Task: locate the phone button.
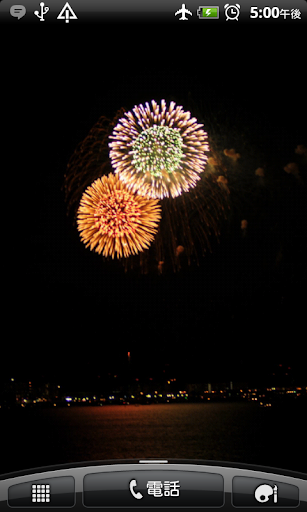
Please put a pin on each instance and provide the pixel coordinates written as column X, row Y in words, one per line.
column 153, row 488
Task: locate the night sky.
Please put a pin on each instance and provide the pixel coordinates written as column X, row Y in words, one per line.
column 70, row 314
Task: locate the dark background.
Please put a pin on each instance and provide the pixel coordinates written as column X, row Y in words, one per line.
column 70, row 316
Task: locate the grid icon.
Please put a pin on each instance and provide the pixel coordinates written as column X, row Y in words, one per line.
column 40, row 493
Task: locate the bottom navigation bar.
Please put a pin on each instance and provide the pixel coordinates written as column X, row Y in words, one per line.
column 153, row 485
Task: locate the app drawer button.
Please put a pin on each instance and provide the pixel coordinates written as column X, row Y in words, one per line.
column 49, row 492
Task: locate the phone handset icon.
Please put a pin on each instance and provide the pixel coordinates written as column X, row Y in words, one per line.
column 136, row 495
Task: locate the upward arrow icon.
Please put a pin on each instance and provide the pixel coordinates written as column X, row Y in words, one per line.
column 67, row 14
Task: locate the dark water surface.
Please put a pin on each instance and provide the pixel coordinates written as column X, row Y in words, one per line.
column 233, row 432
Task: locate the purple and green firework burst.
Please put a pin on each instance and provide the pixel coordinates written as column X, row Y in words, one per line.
column 159, row 151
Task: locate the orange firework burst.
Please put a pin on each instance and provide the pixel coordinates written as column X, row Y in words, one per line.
column 114, row 221
column 159, row 151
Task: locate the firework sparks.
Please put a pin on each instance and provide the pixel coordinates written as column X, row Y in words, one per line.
column 114, row 221
column 89, row 161
column 159, row 152
column 188, row 220
column 232, row 154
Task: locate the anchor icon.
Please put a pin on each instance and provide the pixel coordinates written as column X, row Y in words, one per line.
column 44, row 11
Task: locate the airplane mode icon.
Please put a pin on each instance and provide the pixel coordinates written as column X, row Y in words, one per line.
column 183, row 11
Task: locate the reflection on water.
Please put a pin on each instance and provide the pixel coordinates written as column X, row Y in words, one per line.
column 238, row 432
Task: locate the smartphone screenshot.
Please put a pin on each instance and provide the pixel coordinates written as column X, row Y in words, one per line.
column 154, row 157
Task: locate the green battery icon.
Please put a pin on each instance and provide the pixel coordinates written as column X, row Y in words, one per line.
column 208, row 11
